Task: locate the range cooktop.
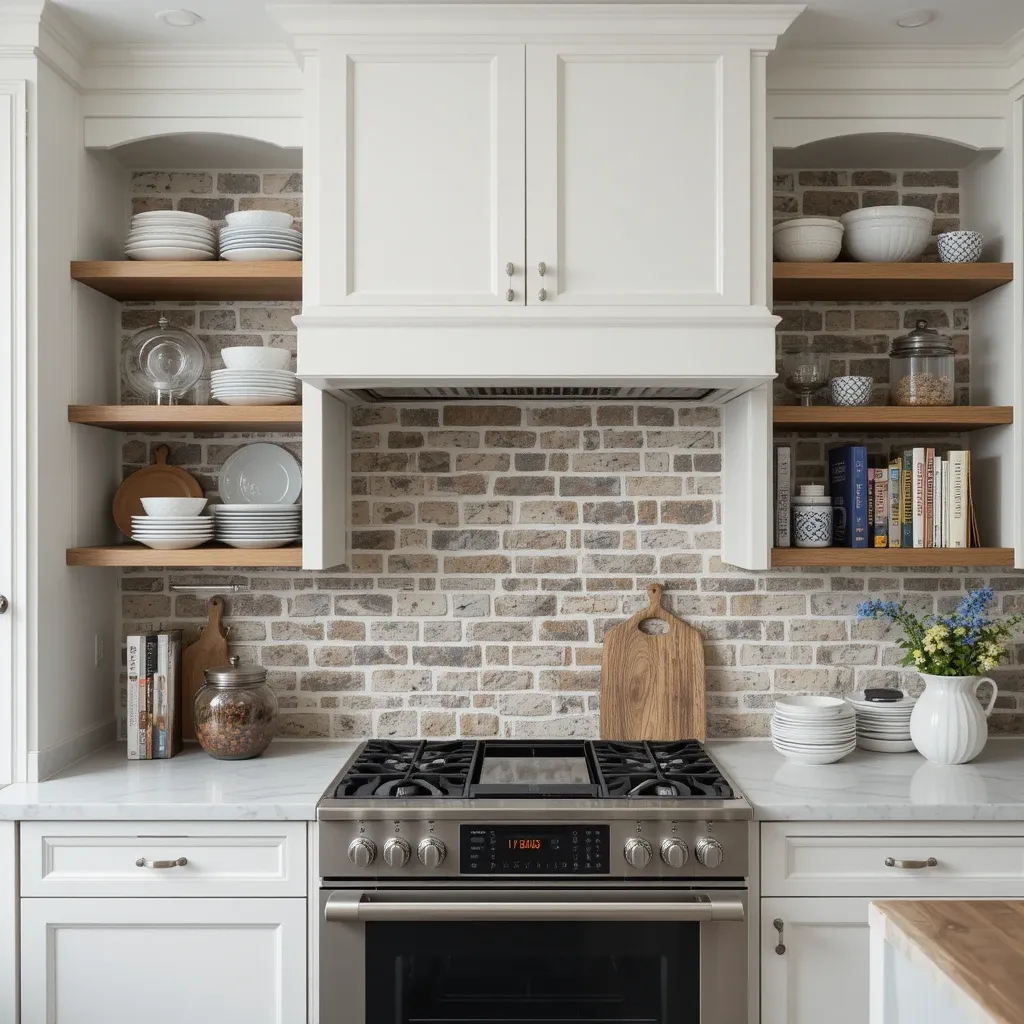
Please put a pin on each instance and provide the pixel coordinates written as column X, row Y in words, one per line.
column 523, row 769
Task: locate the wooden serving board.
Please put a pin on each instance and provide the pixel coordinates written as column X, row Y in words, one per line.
column 652, row 683
column 209, row 651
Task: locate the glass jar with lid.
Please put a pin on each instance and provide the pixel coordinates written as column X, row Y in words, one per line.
column 235, row 711
column 922, row 368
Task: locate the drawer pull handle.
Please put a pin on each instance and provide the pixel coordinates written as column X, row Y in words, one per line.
column 179, row 863
column 778, row 925
column 911, row 865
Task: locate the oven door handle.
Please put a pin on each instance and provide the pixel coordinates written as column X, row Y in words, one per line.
column 359, row 906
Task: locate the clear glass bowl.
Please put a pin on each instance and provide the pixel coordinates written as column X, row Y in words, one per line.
column 162, row 364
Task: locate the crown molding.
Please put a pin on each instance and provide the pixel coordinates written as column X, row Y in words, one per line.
column 191, row 56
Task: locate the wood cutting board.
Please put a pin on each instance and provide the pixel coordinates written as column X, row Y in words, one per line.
column 157, row 481
column 652, row 684
column 209, row 651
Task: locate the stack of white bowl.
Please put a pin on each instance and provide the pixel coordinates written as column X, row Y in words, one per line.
column 255, row 376
column 258, row 526
column 171, row 235
column 813, row 730
column 172, row 524
column 260, row 235
column 883, row 725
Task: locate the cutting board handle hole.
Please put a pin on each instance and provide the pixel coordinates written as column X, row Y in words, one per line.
column 653, row 627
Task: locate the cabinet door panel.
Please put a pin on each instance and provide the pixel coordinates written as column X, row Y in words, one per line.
column 633, row 177
column 165, row 960
column 423, row 175
column 823, row 974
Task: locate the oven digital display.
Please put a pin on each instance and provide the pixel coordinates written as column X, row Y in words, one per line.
column 534, row 850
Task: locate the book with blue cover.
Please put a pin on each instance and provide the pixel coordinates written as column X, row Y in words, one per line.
column 848, row 478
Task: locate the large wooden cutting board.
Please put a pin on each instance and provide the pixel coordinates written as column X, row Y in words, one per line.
column 652, row 683
column 209, row 651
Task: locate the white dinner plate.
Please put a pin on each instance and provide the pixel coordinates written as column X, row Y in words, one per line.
column 168, row 253
column 227, row 373
column 250, row 544
column 260, row 474
column 172, row 544
column 886, row 746
column 178, row 215
column 259, row 255
column 248, row 509
column 254, row 399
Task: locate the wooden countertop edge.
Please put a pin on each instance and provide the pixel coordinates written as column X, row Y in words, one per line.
column 942, row 935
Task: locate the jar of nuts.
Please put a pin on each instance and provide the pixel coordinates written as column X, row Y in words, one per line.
column 922, row 367
column 235, row 711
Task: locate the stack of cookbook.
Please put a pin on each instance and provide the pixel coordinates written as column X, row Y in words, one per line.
column 153, row 720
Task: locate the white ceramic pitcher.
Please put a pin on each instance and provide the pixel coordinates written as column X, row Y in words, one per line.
column 948, row 725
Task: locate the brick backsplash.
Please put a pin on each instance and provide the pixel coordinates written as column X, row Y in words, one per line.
column 495, row 545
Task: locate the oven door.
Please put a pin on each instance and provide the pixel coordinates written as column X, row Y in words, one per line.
column 532, row 956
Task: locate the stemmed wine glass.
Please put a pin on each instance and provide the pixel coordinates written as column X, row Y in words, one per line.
column 805, row 367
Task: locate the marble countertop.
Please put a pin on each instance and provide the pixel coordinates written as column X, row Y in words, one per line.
column 282, row 785
column 866, row 786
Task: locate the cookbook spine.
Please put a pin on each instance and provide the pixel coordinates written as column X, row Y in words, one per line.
column 152, row 648
column 958, row 511
column 174, row 694
column 783, row 495
column 133, row 656
column 895, row 504
column 160, row 696
column 880, row 536
column 929, row 496
column 907, row 499
column 919, row 485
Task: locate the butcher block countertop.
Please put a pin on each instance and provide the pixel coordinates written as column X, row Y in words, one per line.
column 977, row 947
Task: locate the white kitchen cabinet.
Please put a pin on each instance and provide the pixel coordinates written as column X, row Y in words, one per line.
column 205, row 961
column 823, row 973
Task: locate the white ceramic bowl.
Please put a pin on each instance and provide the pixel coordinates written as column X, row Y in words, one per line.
column 887, row 234
column 960, row 246
column 851, row 390
column 808, row 240
column 173, row 506
column 259, row 219
column 248, row 357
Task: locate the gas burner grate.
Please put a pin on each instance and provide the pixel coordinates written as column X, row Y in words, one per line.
column 391, row 769
column 650, row 770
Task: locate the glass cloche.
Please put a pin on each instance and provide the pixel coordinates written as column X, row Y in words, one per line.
column 162, row 364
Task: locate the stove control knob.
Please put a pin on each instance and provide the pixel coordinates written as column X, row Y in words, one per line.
column 710, row 852
column 362, row 852
column 674, row 852
column 638, row 853
column 431, row 852
column 396, row 853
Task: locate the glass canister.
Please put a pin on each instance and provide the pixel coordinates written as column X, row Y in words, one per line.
column 235, row 711
column 812, row 517
column 922, row 368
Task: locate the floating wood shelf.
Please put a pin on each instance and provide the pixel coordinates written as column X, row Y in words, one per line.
column 211, row 280
column 891, row 418
column 138, row 555
column 189, row 417
column 876, row 558
column 889, row 282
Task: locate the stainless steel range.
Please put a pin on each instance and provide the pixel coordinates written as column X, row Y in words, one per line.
column 478, row 882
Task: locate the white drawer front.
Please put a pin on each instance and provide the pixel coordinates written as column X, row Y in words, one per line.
column 843, row 860
column 221, row 859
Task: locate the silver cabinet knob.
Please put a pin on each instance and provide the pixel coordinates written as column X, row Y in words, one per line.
column 362, row 852
column 510, row 269
column 674, row 852
column 431, row 852
column 637, row 853
column 4, row 604
column 710, row 852
column 543, row 295
column 542, row 269
column 396, row 853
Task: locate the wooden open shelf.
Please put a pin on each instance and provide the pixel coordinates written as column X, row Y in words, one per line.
column 212, row 280
column 889, row 282
column 891, row 418
column 892, row 557
column 189, row 417
column 139, row 555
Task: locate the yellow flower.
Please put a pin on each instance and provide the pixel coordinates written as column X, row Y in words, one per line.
column 960, row 631
column 918, row 656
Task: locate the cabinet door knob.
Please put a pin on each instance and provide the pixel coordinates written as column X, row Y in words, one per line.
column 4, row 604
column 911, row 865
column 777, row 924
column 542, row 269
column 542, row 294
column 510, row 269
column 179, row 863
column 510, row 295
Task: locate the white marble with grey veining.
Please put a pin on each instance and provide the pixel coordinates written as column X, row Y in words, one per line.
column 284, row 784
column 867, row 786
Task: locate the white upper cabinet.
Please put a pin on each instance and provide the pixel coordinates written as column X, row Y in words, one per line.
column 421, row 175
column 638, row 184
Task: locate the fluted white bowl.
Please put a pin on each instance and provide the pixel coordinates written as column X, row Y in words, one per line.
column 887, row 234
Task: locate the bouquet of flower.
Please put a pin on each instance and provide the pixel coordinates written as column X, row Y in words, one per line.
column 965, row 643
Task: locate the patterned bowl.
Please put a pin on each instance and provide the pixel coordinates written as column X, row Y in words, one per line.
column 960, row 246
column 851, row 390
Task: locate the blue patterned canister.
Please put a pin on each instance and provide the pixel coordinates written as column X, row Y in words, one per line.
column 812, row 517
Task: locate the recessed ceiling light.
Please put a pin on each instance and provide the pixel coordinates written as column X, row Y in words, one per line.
column 179, row 18
column 915, row 19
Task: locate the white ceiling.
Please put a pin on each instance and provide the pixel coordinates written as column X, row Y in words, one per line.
column 825, row 22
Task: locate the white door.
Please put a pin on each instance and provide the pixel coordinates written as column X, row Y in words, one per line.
column 165, row 961
column 823, row 973
column 638, row 175
column 419, row 176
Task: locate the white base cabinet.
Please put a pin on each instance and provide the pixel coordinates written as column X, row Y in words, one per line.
column 205, row 961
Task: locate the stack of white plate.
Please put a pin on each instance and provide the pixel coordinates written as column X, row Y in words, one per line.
column 258, row 526
column 171, row 235
column 883, row 725
column 255, row 387
column 260, row 235
column 172, row 533
column 813, row 730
